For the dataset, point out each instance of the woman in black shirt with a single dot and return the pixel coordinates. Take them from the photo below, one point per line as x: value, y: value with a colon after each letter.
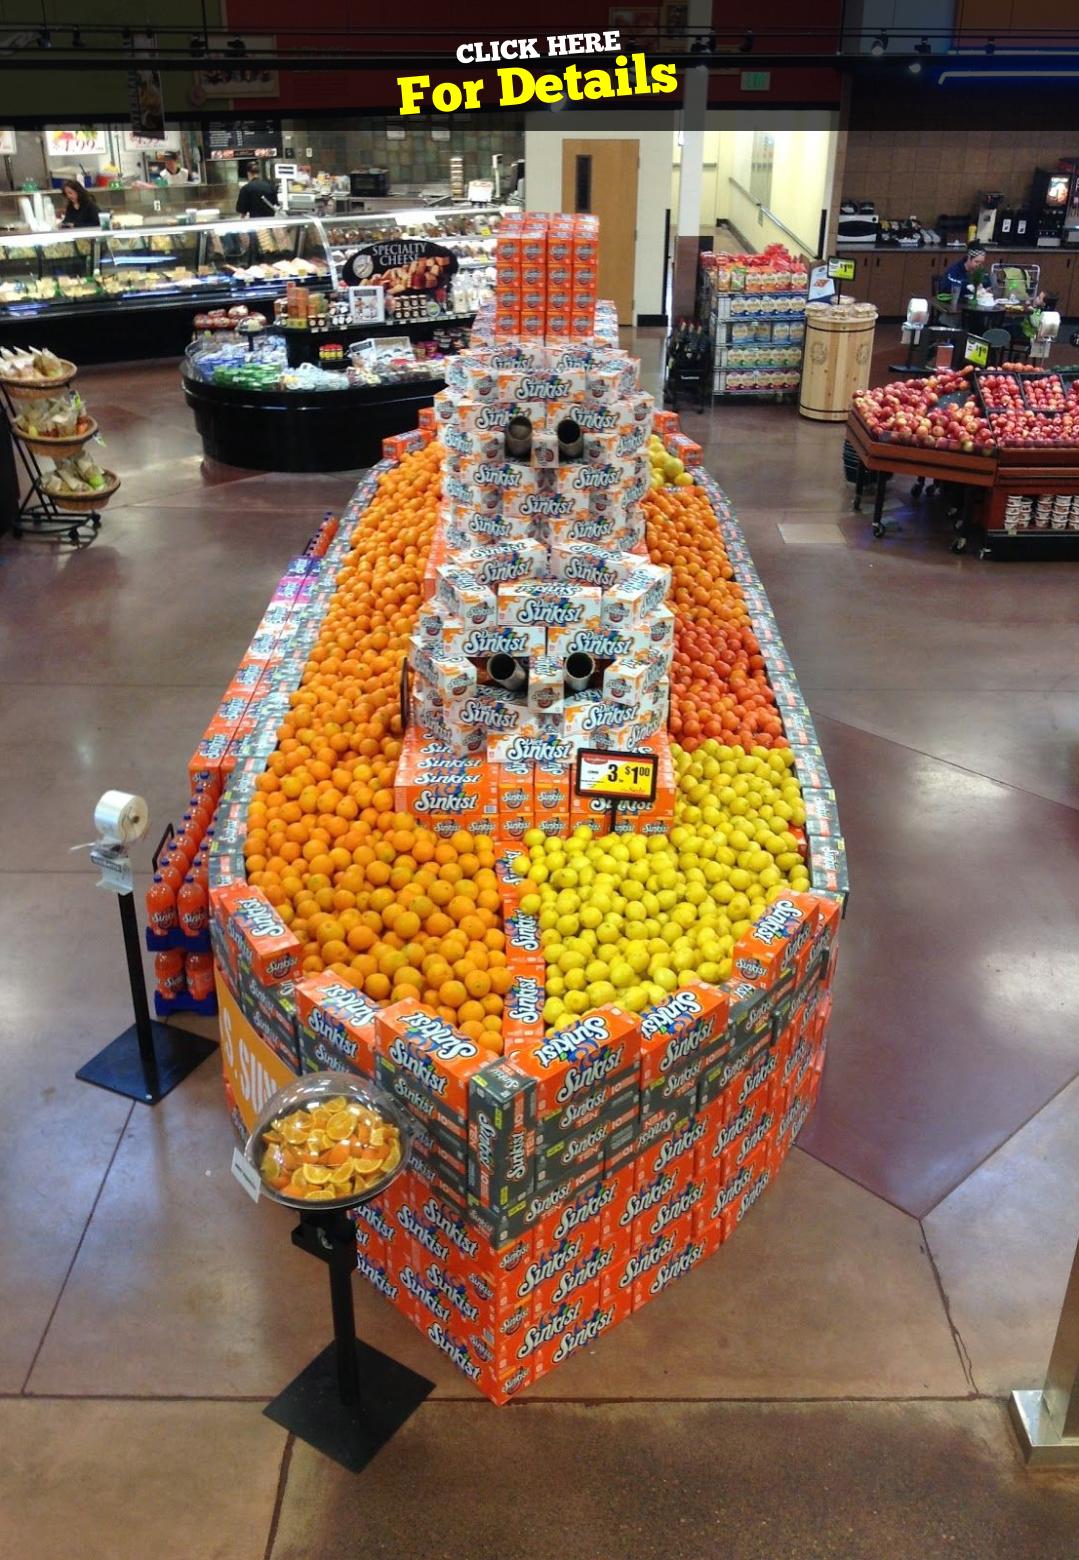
x: 81, y: 209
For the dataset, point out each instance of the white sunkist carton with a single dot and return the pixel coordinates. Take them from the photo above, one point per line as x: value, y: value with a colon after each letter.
x: 552, y: 603
x: 464, y: 598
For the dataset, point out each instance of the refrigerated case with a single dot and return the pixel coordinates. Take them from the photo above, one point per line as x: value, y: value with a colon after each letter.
x: 76, y: 292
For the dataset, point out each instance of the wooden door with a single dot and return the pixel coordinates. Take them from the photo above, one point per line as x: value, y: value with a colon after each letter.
x: 601, y: 177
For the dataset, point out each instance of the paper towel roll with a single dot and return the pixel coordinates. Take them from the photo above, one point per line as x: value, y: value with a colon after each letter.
x: 120, y: 818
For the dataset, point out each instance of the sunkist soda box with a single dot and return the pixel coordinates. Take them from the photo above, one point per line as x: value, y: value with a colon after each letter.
x: 554, y: 1189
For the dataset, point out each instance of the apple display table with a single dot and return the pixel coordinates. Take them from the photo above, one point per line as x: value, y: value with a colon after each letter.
x: 1012, y: 495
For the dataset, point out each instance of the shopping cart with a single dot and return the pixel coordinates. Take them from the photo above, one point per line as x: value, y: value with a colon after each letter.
x: 688, y: 369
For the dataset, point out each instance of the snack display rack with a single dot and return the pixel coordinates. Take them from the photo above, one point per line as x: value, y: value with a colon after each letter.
x: 557, y: 1188
x: 754, y: 309
x: 39, y: 509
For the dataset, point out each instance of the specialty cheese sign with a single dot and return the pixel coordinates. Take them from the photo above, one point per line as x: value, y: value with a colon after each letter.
x: 400, y: 265
x: 252, y: 1070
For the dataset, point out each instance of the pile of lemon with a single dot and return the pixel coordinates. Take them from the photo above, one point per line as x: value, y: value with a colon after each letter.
x: 667, y: 470
x: 628, y: 918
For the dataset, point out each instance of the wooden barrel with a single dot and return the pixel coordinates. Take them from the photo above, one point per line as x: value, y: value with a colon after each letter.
x: 836, y: 364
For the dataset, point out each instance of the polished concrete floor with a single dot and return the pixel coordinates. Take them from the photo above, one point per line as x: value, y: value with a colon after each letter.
x: 831, y: 1382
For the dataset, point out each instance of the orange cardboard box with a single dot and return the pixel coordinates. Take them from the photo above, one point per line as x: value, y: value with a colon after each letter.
x: 522, y: 1017
x: 576, y: 1325
x: 600, y: 1045
x: 438, y: 1057
x: 777, y: 941
x: 333, y: 1012
x: 258, y: 932
x: 515, y: 790
x: 253, y: 1072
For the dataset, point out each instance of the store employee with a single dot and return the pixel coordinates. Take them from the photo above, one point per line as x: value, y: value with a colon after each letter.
x: 256, y: 197
x: 174, y: 172
x: 81, y: 209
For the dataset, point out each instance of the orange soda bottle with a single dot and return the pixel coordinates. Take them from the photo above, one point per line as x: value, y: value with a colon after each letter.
x: 192, y: 908
x: 169, y: 974
x: 160, y: 906
x: 199, y: 969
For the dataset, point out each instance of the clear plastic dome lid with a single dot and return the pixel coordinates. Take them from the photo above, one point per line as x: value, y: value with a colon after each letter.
x: 328, y: 1140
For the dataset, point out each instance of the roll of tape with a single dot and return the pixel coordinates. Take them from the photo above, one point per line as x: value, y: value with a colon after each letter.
x: 120, y: 818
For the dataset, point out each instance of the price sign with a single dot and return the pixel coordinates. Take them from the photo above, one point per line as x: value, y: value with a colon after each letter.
x: 246, y: 1174
x: 841, y: 269
x: 617, y: 777
x: 977, y: 352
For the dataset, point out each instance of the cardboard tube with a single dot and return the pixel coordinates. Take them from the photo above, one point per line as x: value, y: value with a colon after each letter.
x: 518, y: 438
x: 570, y: 439
x: 580, y: 669
x: 507, y: 672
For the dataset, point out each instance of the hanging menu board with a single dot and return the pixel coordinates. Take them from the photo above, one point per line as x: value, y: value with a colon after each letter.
x: 228, y: 138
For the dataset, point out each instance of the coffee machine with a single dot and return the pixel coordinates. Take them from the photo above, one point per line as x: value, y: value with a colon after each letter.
x: 1050, y: 194
x: 988, y: 216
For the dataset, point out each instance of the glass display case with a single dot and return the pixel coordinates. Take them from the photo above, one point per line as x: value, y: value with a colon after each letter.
x: 70, y: 291
x: 42, y: 273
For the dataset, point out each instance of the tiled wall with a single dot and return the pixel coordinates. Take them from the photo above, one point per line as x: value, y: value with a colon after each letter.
x: 415, y: 160
x: 927, y: 173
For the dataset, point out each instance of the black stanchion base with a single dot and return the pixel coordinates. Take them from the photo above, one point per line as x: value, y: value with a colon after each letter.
x: 119, y: 1066
x: 311, y: 1407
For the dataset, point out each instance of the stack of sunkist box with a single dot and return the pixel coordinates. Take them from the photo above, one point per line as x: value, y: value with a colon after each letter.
x: 545, y: 628
x: 547, y: 266
x: 553, y: 1191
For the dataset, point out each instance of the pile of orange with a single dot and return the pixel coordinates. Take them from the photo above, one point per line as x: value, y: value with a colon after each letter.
x: 719, y: 686
x: 382, y: 902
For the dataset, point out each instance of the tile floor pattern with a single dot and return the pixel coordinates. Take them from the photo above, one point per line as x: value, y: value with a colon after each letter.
x: 845, y: 1354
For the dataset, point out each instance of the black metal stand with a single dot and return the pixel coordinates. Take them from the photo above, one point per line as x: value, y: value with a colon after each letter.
x: 326, y: 1405
x: 149, y: 1059
x: 38, y: 508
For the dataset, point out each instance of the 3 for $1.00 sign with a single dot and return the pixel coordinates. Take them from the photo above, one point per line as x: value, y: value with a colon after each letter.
x: 253, y: 1071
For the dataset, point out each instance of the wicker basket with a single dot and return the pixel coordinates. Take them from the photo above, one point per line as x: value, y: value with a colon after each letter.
x: 34, y: 389
x: 55, y: 447
x: 83, y: 503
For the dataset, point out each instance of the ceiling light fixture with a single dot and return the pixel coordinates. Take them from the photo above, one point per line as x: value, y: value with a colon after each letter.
x: 879, y: 44
x: 746, y: 45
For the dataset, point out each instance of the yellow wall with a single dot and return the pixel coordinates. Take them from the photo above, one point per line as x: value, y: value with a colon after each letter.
x: 801, y: 179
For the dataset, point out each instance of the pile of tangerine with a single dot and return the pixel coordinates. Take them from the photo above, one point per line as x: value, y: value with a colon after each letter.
x: 380, y: 901
x: 719, y: 685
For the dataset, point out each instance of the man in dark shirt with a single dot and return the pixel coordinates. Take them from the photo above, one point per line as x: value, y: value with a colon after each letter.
x: 256, y: 197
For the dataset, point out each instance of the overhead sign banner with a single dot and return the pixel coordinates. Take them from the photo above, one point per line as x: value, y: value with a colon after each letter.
x: 145, y: 93
x: 238, y: 79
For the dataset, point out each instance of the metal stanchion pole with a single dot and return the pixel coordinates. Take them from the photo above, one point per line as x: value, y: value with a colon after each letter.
x: 1046, y: 1420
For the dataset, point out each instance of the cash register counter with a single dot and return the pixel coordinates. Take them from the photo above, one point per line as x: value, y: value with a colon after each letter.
x: 889, y: 277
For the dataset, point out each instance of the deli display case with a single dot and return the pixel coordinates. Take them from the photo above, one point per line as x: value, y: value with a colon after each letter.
x: 76, y: 293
